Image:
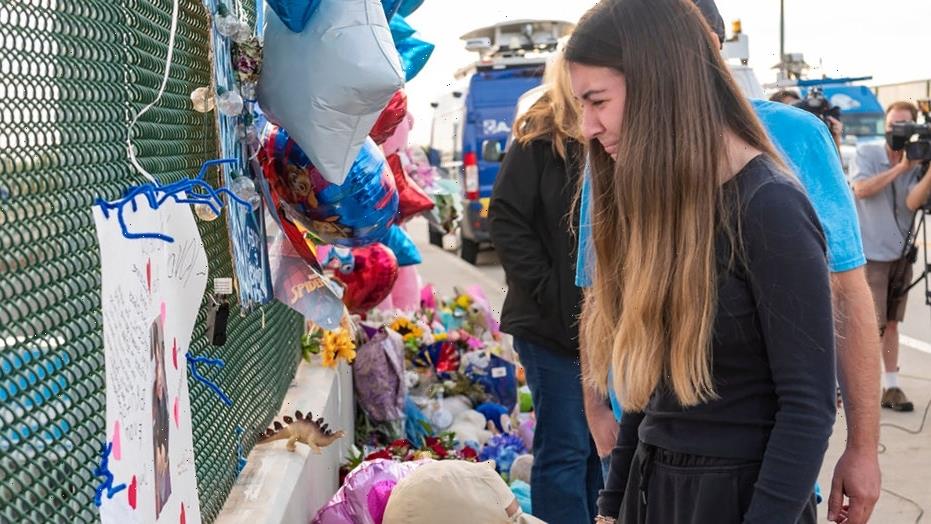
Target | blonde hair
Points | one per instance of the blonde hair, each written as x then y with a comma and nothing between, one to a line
555,115
657,210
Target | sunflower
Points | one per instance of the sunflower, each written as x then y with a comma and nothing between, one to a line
408,330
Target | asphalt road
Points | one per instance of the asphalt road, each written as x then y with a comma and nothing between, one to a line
916,330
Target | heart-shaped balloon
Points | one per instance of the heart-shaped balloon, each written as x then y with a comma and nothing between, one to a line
393,114
398,139
374,273
357,212
412,200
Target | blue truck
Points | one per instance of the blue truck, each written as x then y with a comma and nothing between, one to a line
472,121
862,114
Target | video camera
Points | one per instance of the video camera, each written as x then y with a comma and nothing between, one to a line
817,104
914,138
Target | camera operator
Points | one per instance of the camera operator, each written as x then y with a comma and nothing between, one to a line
889,189
792,98
786,96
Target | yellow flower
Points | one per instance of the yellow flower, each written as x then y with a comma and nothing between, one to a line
401,325
440,337
329,357
464,301
408,330
338,344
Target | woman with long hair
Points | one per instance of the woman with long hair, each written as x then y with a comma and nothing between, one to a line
531,228
711,300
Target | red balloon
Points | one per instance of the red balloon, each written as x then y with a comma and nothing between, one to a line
412,200
390,118
371,280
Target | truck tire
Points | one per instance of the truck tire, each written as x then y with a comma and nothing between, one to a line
469,250
436,238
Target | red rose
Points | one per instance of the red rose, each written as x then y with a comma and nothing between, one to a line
401,443
380,454
440,451
468,453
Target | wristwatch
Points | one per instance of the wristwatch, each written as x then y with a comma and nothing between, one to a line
601,519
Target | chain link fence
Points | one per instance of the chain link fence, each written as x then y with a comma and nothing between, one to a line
72,72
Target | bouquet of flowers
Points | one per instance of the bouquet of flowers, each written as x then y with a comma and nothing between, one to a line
331,345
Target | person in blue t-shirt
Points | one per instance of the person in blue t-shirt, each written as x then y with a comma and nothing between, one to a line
807,147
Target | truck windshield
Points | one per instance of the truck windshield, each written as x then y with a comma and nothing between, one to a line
866,126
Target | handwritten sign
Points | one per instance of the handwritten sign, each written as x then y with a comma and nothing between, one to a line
151,291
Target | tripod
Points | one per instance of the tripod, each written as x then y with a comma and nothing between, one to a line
910,250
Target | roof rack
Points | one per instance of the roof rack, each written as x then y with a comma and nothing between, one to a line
516,37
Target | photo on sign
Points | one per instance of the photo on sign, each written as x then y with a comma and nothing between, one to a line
161,421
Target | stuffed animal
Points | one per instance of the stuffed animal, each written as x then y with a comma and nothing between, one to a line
469,427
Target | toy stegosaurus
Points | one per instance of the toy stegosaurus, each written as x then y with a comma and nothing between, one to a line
314,433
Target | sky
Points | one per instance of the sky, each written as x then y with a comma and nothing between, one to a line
888,39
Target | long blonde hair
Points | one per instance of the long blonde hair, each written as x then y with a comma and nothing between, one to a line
656,211
555,115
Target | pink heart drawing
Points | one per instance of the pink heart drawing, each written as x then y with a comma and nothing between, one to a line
174,353
177,411
148,274
117,447
132,493
183,519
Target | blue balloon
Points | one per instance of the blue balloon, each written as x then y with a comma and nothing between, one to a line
400,29
391,7
409,6
404,248
414,54
294,13
358,212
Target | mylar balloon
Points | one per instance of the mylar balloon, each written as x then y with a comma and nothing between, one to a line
357,212
391,7
404,249
294,13
398,140
400,29
374,273
406,292
365,492
409,6
412,200
393,115
327,84
414,54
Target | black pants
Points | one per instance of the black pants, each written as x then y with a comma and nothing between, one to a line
666,487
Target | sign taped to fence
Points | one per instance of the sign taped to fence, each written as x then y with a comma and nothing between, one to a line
151,291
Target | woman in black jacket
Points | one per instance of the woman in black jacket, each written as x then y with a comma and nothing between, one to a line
533,234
